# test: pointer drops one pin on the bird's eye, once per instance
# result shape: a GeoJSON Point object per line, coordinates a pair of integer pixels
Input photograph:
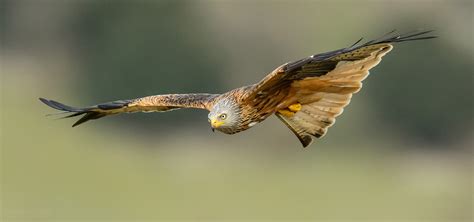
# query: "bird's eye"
{"type": "Point", "coordinates": [223, 116]}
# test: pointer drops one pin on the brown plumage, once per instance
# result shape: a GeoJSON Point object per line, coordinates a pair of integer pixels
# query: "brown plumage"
{"type": "Point", "coordinates": [306, 95]}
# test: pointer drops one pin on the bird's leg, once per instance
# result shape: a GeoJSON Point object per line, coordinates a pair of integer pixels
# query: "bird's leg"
{"type": "Point", "coordinates": [295, 107]}
{"type": "Point", "coordinates": [286, 112]}
{"type": "Point", "coordinates": [291, 110]}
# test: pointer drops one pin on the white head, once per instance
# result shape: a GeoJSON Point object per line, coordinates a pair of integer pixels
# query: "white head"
{"type": "Point", "coordinates": [224, 116]}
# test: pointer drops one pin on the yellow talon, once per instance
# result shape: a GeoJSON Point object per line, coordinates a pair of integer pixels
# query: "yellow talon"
{"type": "Point", "coordinates": [295, 107]}
{"type": "Point", "coordinates": [286, 113]}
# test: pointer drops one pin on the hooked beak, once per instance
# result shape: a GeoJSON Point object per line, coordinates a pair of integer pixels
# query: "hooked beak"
{"type": "Point", "coordinates": [216, 124]}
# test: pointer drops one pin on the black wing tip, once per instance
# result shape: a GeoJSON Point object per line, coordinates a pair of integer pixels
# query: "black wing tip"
{"type": "Point", "coordinates": [393, 37]}
{"type": "Point", "coordinates": [87, 117]}
{"type": "Point", "coordinates": [68, 109]}
{"type": "Point", "coordinates": [53, 104]}
{"type": "Point", "coordinates": [114, 105]}
{"type": "Point", "coordinates": [47, 102]}
{"type": "Point", "coordinates": [416, 35]}
{"type": "Point", "coordinates": [409, 36]}
{"type": "Point", "coordinates": [357, 42]}
{"type": "Point", "coordinates": [91, 113]}
{"type": "Point", "coordinates": [43, 99]}
{"type": "Point", "coordinates": [59, 106]}
{"type": "Point", "coordinates": [79, 122]}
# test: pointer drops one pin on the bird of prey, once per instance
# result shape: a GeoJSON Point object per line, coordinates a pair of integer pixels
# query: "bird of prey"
{"type": "Point", "coordinates": [306, 95]}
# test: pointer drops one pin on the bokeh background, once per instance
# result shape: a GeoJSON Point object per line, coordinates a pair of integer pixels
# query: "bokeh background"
{"type": "Point", "coordinates": [402, 151]}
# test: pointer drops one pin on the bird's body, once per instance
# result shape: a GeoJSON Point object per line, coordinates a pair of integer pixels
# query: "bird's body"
{"type": "Point", "coordinates": [306, 95]}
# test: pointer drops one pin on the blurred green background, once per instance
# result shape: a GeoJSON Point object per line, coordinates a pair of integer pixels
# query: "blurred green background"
{"type": "Point", "coordinates": [402, 151]}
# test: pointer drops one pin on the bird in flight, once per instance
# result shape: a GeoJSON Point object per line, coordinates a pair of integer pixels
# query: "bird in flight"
{"type": "Point", "coordinates": [306, 95]}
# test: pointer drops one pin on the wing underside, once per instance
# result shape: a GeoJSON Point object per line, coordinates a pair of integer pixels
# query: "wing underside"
{"type": "Point", "coordinates": [323, 84]}
{"type": "Point", "coordinates": [323, 98]}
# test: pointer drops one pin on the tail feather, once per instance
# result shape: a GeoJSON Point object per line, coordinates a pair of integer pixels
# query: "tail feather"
{"type": "Point", "coordinates": [304, 137]}
{"type": "Point", "coordinates": [91, 113]}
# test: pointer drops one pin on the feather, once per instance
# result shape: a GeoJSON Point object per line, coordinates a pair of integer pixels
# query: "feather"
{"type": "Point", "coordinates": [158, 103]}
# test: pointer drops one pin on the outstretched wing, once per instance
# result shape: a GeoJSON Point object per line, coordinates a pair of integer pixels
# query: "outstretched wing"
{"type": "Point", "coordinates": [322, 84]}
{"type": "Point", "coordinates": [158, 103]}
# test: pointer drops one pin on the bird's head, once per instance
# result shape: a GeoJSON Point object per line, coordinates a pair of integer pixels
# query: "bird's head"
{"type": "Point", "coordinates": [224, 116]}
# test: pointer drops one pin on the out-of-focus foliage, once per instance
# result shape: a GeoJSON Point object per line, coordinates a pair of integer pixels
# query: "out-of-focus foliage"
{"type": "Point", "coordinates": [170, 166]}
{"type": "Point", "coordinates": [426, 92]}
{"type": "Point", "coordinates": [128, 50]}
{"type": "Point", "coordinates": [132, 50]}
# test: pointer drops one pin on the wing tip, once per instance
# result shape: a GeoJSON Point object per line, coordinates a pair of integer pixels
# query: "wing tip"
{"type": "Point", "coordinates": [60, 106]}
{"type": "Point", "coordinates": [419, 34]}
{"type": "Point", "coordinates": [393, 37]}
{"type": "Point", "coordinates": [47, 102]}
{"type": "Point", "coordinates": [89, 116]}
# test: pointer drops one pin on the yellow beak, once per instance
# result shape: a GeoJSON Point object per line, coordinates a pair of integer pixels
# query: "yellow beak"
{"type": "Point", "coordinates": [216, 123]}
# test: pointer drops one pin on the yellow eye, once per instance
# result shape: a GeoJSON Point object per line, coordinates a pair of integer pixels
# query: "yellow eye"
{"type": "Point", "coordinates": [223, 116]}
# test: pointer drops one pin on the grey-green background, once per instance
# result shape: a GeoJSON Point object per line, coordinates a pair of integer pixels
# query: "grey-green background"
{"type": "Point", "coordinates": [402, 151]}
